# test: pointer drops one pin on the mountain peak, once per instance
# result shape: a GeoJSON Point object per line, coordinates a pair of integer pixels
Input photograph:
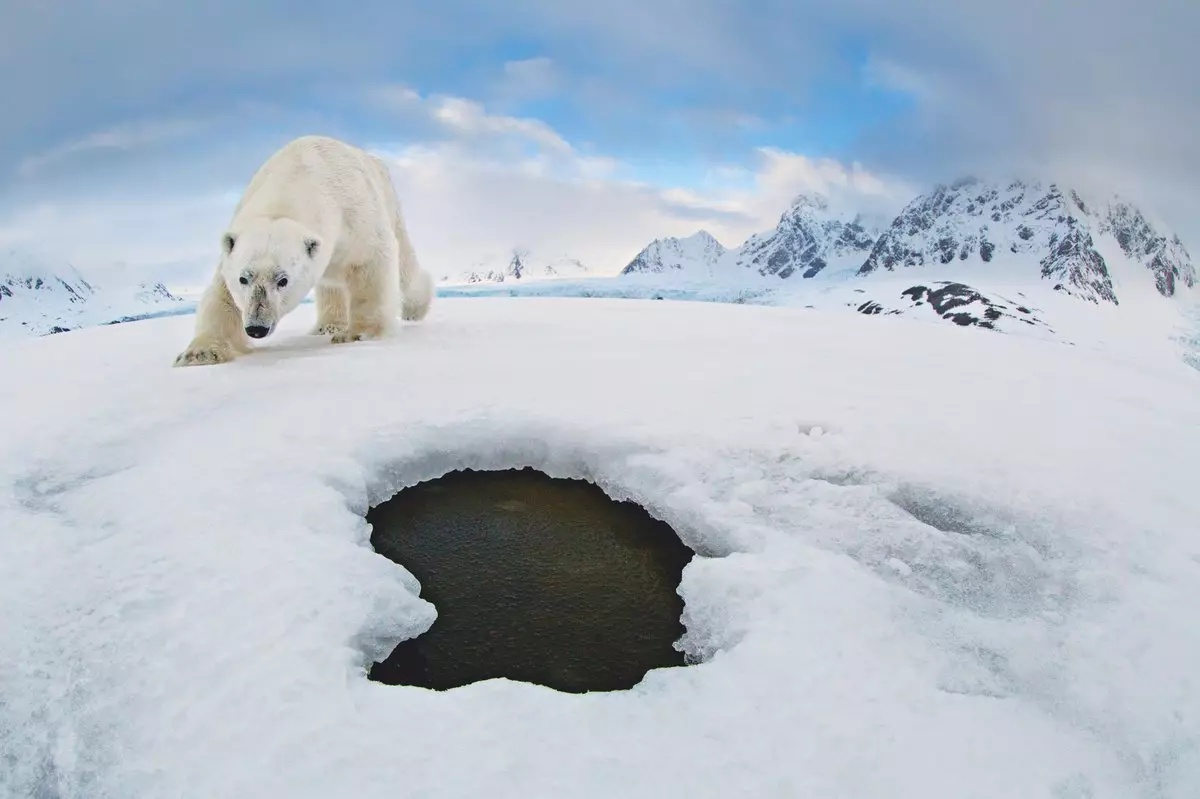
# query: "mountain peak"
{"type": "Point", "coordinates": [698, 253]}
{"type": "Point", "coordinates": [704, 237]}
{"type": "Point", "coordinates": [813, 201]}
{"type": "Point", "coordinates": [810, 235]}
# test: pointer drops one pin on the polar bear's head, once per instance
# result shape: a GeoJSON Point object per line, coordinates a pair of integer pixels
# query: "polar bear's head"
{"type": "Point", "coordinates": [269, 266]}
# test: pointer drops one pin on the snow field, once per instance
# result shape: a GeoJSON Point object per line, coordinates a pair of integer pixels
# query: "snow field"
{"type": "Point", "coordinates": [934, 562]}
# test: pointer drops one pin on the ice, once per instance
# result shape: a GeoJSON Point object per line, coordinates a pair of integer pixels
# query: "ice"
{"type": "Point", "coordinates": [935, 562]}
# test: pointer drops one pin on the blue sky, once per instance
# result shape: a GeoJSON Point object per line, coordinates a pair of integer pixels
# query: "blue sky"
{"type": "Point", "coordinates": [577, 127]}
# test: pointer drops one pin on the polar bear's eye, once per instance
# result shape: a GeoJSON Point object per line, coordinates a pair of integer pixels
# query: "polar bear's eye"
{"type": "Point", "coordinates": [244, 280]}
{"type": "Point", "coordinates": [282, 282]}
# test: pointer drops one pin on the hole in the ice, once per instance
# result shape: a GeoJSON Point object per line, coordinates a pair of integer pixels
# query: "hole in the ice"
{"type": "Point", "coordinates": [535, 579]}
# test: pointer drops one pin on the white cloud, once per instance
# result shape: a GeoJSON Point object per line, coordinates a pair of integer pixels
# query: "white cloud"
{"type": "Point", "coordinates": [393, 97]}
{"type": "Point", "coordinates": [124, 137]}
{"type": "Point", "coordinates": [468, 118]}
{"type": "Point", "coordinates": [463, 207]}
{"type": "Point", "coordinates": [527, 79]}
{"type": "Point", "coordinates": [754, 198]}
{"type": "Point", "coordinates": [170, 238]}
{"type": "Point", "coordinates": [480, 184]}
{"type": "Point", "coordinates": [483, 190]}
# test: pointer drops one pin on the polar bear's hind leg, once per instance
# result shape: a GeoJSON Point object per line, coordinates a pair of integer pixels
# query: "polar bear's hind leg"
{"type": "Point", "coordinates": [416, 284]}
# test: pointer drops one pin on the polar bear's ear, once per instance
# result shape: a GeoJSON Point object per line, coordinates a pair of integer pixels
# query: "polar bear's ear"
{"type": "Point", "coordinates": [310, 245]}
{"type": "Point", "coordinates": [227, 242]}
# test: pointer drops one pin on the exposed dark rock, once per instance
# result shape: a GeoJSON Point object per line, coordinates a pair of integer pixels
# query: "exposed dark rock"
{"type": "Point", "coordinates": [954, 302]}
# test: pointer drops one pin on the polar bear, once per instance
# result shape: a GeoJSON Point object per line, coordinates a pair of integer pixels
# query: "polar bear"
{"type": "Point", "coordinates": [320, 214]}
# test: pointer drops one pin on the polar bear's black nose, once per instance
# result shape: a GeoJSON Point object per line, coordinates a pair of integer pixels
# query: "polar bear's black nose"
{"type": "Point", "coordinates": [257, 331]}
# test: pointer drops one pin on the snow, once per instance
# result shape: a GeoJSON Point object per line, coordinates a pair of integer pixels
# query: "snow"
{"type": "Point", "coordinates": [936, 562]}
{"type": "Point", "coordinates": [1144, 323]}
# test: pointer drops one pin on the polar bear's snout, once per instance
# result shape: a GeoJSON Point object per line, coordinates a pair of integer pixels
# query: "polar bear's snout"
{"type": "Point", "coordinates": [257, 331]}
{"type": "Point", "coordinates": [260, 315]}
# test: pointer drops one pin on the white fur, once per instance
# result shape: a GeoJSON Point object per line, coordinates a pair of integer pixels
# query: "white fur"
{"type": "Point", "coordinates": [318, 214]}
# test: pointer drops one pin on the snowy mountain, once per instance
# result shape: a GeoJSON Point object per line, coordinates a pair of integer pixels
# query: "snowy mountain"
{"type": "Point", "coordinates": [696, 255]}
{"type": "Point", "coordinates": [519, 263]}
{"type": "Point", "coordinates": [37, 297]}
{"type": "Point", "coordinates": [1167, 259]}
{"type": "Point", "coordinates": [1042, 231]}
{"type": "Point", "coordinates": [22, 273]}
{"type": "Point", "coordinates": [809, 237]}
{"type": "Point", "coordinates": [970, 253]}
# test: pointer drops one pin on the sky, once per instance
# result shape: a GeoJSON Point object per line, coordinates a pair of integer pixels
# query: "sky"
{"type": "Point", "coordinates": [574, 128]}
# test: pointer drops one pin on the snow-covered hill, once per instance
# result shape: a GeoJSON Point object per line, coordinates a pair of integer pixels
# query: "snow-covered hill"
{"type": "Point", "coordinates": [38, 297]}
{"type": "Point", "coordinates": [697, 255]}
{"type": "Point", "coordinates": [519, 263]}
{"type": "Point", "coordinates": [1033, 232]}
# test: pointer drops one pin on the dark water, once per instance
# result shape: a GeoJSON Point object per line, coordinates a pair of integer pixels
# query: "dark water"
{"type": "Point", "coordinates": [535, 579]}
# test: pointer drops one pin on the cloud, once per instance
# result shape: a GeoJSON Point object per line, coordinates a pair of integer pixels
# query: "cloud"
{"type": "Point", "coordinates": [125, 137]}
{"type": "Point", "coordinates": [752, 197]}
{"type": "Point", "coordinates": [527, 79]}
{"type": "Point", "coordinates": [475, 134]}
{"type": "Point", "coordinates": [463, 209]}
{"type": "Point", "coordinates": [583, 99]}
{"type": "Point", "coordinates": [1060, 65]}
{"type": "Point", "coordinates": [1028, 82]}
{"type": "Point", "coordinates": [467, 118]}
{"type": "Point", "coordinates": [477, 185]}
{"type": "Point", "coordinates": [166, 238]}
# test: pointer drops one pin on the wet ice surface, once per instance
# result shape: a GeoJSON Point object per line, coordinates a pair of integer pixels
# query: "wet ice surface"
{"type": "Point", "coordinates": [935, 561]}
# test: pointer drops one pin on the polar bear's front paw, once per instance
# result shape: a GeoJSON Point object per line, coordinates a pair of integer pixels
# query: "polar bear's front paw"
{"type": "Point", "coordinates": [327, 329]}
{"type": "Point", "coordinates": [202, 353]}
{"type": "Point", "coordinates": [359, 332]}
